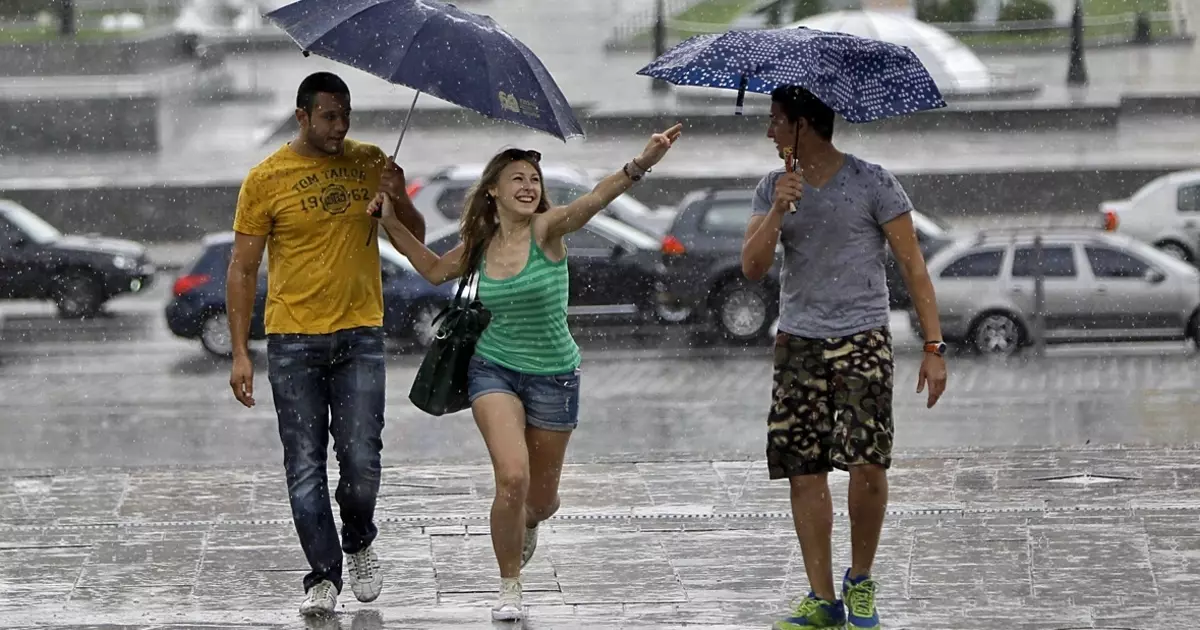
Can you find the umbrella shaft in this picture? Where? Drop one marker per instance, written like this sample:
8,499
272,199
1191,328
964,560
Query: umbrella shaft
407,118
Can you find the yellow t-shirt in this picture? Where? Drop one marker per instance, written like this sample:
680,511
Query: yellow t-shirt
322,263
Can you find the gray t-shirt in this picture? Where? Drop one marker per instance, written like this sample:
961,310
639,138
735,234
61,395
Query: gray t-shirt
833,282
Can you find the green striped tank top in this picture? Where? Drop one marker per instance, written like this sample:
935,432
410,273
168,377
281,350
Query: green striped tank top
528,331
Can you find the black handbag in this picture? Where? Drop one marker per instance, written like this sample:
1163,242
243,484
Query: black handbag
440,386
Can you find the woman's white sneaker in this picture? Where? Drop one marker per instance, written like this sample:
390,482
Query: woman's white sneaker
508,607
321,599
362,571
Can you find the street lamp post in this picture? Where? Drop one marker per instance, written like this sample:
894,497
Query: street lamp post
1077,73
66,18
1039,297
660,42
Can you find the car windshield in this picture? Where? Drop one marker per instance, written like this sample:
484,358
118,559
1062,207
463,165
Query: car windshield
624,231
930,225
34,227
630,204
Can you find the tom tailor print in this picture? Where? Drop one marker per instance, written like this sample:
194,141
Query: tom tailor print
831,404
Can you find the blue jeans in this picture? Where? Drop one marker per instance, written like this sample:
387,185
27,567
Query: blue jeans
323,385
551,402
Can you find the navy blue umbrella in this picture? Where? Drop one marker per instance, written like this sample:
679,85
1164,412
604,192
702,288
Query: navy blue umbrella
438,49
862,79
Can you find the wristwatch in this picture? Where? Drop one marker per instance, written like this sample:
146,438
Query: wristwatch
935,347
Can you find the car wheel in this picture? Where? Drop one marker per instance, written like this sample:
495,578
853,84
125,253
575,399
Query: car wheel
423,328
1175,250
742,311
78,295
996,334
214,335
1193,329
669,314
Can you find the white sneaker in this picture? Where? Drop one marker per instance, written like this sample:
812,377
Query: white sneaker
508,607
321,600
362,571
531,538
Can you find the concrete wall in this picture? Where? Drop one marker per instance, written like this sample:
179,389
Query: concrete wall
183,213
141,115
96,57
79,124
973,117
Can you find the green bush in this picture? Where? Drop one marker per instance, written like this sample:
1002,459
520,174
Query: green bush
946,11
25,9
1025,10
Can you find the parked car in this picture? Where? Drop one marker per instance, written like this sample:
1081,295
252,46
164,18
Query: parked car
197,310
1097,287
614,270
1164,213
78,273
440,198
702,254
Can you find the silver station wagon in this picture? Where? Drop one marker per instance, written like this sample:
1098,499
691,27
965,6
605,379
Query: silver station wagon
1097,287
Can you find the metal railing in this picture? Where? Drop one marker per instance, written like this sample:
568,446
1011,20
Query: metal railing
1176,18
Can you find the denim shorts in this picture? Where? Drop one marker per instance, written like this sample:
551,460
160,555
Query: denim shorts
551,402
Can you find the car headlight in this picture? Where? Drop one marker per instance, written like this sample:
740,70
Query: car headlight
124,262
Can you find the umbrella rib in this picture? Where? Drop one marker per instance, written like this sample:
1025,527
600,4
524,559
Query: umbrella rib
407,48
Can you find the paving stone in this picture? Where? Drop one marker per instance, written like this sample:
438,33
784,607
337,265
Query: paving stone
638,545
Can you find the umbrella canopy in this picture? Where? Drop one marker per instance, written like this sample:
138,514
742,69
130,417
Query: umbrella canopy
436,48
862,79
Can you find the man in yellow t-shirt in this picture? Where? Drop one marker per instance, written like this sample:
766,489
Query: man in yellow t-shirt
306,205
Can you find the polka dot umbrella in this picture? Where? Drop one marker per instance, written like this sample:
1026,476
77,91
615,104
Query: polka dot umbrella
861,79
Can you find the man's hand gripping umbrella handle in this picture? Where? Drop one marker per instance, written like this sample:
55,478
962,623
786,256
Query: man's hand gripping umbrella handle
789,162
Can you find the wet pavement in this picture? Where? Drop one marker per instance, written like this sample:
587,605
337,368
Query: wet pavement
135,493
123,391
1033,539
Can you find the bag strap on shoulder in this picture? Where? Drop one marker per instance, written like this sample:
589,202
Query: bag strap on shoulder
470,277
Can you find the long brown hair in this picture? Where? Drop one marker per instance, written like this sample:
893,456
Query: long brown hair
479,218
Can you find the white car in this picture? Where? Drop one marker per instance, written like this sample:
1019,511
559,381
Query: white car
1096,287
1164,213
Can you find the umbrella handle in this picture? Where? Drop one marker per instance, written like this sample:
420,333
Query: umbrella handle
789,163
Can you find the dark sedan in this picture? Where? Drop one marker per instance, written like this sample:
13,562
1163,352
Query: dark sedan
78,273
197,310
702,255
614,270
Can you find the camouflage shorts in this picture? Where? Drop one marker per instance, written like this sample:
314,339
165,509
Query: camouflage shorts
831,405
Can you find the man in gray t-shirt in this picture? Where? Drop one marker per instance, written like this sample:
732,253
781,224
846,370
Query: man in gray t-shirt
832,397
833,278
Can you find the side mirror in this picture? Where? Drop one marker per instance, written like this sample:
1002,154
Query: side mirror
618,250
1155,276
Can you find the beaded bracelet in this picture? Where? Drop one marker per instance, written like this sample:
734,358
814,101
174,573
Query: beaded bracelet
641,172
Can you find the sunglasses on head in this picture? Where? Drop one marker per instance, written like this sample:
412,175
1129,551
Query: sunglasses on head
524,154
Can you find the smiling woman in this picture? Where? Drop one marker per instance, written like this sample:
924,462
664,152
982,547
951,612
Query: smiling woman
523,379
